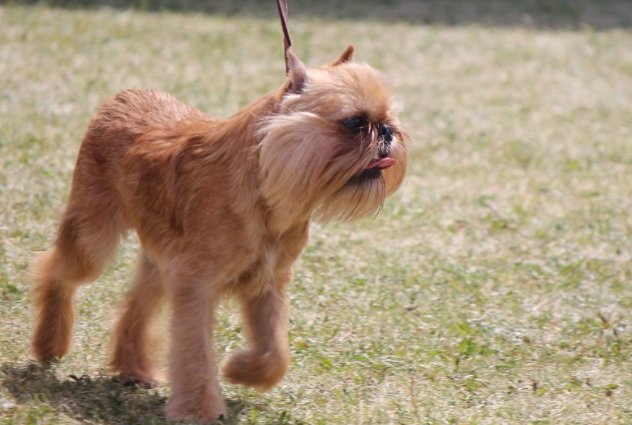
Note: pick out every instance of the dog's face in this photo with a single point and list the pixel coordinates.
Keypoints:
(336, 148)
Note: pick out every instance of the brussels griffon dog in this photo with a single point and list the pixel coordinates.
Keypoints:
(221, 206)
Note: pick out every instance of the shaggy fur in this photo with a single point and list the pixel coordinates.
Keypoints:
(220, 207)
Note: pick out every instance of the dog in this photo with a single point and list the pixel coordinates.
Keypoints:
(221, 207)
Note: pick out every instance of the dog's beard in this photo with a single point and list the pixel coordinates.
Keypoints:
(310, 165)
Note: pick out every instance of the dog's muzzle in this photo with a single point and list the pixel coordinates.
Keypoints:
(385, 133)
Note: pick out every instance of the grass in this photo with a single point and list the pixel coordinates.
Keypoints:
(494, 288)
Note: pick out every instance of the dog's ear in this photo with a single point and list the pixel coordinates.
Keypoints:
(345, 56)
(297, 73)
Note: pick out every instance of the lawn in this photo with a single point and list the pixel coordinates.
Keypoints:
(494, 288)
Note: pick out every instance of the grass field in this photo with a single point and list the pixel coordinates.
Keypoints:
(494, 288)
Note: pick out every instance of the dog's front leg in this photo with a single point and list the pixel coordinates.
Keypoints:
(265, 362)
(193, 374)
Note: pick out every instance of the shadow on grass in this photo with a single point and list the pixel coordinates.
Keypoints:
(91, 399)
(548, 14)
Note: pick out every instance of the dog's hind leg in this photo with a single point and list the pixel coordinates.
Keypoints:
(132, 341)
(87, 237)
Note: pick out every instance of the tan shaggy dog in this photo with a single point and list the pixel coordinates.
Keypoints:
(221, 206)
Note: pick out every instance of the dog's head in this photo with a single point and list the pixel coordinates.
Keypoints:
(336, 148)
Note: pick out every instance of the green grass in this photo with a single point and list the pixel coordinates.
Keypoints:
(494, 288)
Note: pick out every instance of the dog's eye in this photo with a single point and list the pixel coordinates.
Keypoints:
(356, 123)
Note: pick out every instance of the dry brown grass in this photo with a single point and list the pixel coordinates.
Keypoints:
(494, 289)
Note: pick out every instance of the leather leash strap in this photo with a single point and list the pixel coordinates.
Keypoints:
(287, 42)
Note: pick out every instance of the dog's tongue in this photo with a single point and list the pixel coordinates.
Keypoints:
(381, 163)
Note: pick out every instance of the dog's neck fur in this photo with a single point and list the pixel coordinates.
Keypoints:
(276, 221)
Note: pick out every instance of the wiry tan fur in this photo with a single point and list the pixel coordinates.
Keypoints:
(220, 207)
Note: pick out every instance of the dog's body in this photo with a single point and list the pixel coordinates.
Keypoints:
(220, 206)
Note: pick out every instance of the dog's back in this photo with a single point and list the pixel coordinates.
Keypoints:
(132, 113)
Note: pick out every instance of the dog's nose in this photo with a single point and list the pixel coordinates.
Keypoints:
(386, 132)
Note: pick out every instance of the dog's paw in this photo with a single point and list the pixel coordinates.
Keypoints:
(139, 379)
(261, 371)
(207, 412)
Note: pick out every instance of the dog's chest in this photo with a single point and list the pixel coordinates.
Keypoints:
(270, 261)
(260, 266)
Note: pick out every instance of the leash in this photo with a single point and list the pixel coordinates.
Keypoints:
(287, 42)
